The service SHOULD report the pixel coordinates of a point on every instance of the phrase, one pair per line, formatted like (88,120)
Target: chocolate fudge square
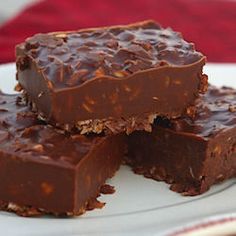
(191,155)
(43,170)
(113,79)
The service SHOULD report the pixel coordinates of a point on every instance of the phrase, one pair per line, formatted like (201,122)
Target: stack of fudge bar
(96,98)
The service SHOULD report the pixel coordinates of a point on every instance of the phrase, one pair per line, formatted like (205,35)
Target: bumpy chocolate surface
(191,155)
(114,78)
(70,59)
(216,112)
(43,170)
(21,129)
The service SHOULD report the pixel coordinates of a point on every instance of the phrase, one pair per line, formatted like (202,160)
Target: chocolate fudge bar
(43,170)
(191,155)
(110,79)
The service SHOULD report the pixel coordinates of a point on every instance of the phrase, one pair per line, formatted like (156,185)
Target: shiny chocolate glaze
(45,170)
(216,112)
(190,154)
(68,59)
(112,73)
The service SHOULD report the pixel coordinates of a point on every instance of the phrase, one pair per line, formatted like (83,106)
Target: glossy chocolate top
(22,134)
(216,111)
(71,58)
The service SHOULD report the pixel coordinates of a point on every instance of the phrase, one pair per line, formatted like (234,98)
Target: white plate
(139,206)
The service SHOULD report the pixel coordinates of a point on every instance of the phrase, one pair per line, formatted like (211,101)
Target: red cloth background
(211,24)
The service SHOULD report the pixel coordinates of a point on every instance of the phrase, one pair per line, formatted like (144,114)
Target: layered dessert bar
(111,79)
(43,170)
(191,155)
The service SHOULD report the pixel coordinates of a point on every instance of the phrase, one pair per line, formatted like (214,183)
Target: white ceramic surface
(139,206)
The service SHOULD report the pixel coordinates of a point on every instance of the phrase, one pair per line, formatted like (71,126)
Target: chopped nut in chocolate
(47,171)
(190,153)
(133,63)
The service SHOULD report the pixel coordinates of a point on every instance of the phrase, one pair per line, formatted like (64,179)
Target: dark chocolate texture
(43,170)
(190,154)
(94,79)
